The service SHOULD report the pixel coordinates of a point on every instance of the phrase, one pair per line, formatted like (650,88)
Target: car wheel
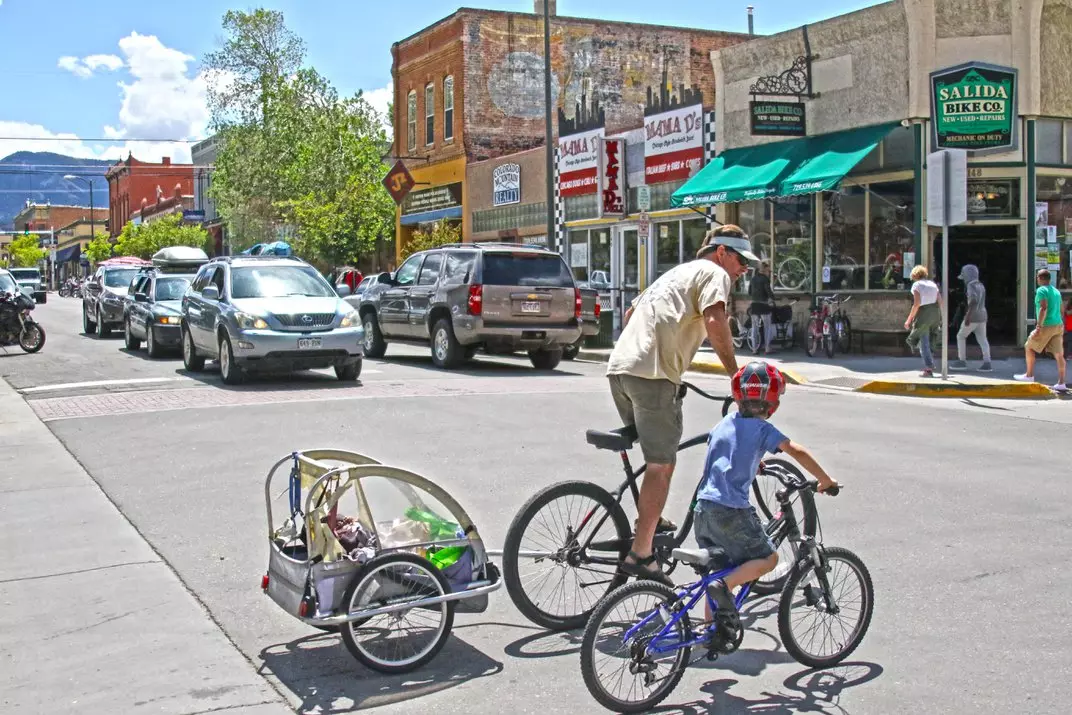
(128,337)
(447,352)
(44,299)
(88,326)
(190,359)
(545,359)
(571,351)
(375,346)
(103,330)
(348,372)
(150,343)
(229,369)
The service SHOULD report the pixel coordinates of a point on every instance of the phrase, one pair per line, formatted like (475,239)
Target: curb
(705,366)
(1007,391)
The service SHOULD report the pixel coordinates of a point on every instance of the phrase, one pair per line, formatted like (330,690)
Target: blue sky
(118,69)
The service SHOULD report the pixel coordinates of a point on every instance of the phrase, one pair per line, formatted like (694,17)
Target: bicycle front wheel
(824,613)
(553,578)
(635,675)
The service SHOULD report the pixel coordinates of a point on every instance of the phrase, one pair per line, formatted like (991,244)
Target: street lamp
(92,214)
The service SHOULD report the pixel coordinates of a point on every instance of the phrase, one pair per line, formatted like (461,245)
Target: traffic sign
(643,198)
(643,226)
(398,181)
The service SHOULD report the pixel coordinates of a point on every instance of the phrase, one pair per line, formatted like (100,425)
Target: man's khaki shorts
(1048,340)
(654,406)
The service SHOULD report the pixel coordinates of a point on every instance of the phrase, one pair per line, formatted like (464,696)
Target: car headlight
(168,319)
(250,322)
(350,319)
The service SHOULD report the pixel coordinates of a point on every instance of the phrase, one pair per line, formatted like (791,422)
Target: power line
(109,141)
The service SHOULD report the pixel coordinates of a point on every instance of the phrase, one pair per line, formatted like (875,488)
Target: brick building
(133,183)
(469,108)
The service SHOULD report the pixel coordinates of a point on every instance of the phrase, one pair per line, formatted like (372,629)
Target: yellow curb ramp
(707,366)
(1007,391)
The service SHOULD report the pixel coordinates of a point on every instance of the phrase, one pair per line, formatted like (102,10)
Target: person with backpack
(975,318)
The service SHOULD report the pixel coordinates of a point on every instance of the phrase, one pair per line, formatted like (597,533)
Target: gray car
(268,314)
(31,281)
(464,297)
(154,311)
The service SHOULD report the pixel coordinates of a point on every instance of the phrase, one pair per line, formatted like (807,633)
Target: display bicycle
(381,554)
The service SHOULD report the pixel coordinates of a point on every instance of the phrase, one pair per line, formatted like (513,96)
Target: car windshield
(526,269)
(7,283)
(26,274)
(171,288)
(119,278)
(278,282)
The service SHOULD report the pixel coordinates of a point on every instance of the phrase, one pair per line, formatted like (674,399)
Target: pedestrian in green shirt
(1049,327)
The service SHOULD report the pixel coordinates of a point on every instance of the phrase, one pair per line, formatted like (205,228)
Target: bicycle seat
(619,440)
(713,560)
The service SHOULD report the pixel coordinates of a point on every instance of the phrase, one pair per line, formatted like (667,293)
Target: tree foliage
(26,252)
(145,239)
(442,233)
(99,249)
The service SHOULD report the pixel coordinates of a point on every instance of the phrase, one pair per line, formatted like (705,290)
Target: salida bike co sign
(973,107)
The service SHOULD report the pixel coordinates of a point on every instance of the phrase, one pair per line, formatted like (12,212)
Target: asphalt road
(959,509)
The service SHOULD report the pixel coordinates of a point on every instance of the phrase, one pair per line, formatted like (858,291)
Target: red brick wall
(131,182)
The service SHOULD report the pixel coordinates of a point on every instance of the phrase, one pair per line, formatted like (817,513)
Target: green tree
(99,249)
(442,232)
(26,252)
(145,239)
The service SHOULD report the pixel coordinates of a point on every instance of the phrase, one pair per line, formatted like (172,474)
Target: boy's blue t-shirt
(734,449)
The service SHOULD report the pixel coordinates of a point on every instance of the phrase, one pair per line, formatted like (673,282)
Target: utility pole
(549,131)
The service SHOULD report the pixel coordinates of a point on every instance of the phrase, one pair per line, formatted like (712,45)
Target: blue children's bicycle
(639,638)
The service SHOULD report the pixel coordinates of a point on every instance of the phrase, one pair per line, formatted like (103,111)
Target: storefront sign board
(778,119)
(611,173)
(398,181)
(578,162)
(973,107)
(506,185)
(673,144)
(438,197)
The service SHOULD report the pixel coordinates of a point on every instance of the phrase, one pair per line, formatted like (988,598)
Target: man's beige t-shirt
(667,326)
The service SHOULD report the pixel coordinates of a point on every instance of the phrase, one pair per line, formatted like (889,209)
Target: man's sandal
(639,568)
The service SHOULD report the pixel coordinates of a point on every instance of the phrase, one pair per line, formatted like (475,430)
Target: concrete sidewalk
(93,621)
(888,375)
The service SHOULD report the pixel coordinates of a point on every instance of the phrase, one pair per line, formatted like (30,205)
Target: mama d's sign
(973,107)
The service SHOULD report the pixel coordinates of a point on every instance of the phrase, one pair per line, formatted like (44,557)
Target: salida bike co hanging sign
(973,107)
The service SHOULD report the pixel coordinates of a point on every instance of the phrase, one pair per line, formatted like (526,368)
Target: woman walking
(924,318)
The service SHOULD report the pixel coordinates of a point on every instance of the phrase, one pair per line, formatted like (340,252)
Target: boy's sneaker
(1024,378)
(720,592)
(986,367)
(958,365)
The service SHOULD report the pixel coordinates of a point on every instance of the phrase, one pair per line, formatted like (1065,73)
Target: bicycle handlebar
(726,400)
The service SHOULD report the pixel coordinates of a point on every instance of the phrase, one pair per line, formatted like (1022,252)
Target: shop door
(995,250)
(625,271)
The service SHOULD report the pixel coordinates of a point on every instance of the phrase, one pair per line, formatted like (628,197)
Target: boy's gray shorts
(737,532)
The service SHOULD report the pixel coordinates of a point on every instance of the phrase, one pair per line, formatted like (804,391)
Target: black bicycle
(564,547)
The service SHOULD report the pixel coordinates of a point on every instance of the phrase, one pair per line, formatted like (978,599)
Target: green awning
(787,168)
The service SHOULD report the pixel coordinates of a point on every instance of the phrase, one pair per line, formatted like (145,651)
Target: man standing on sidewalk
(761,308)
(664,329)
(1046,337)
(975,318)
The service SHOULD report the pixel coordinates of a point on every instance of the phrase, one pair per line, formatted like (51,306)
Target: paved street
(959,508)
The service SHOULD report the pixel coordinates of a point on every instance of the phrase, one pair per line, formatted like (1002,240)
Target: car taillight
(598,309)
(476,299)
(576,302)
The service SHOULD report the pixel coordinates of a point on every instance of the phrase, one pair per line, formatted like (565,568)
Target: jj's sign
(973,107)
(611,177)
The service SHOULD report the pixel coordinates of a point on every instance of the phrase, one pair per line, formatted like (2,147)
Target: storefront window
(599,276)
(667,246)
(844,239)
(1053,227)
(631,279)
(793,235)
(692,236)
(578,254)
(893,216)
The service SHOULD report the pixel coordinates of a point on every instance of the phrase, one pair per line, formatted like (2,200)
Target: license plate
(308,343)
(530,306)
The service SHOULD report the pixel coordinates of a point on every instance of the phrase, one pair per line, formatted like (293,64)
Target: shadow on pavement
(326,679)
(479,367)
(546,644)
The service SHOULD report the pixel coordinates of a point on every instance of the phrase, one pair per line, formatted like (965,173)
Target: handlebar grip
(726,406)
(833,491)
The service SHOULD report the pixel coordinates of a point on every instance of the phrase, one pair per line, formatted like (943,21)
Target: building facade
(71,243)
(133,184)
(203,154)
(823,138)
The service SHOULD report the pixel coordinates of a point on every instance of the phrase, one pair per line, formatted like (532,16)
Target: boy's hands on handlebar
(828,486)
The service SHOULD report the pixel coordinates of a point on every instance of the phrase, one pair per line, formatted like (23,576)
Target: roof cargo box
(182,259)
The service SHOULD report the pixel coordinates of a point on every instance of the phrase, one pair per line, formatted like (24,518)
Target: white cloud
(86,66)
(379,99)
(68,144)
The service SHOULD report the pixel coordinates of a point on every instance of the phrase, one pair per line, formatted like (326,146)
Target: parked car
(32,281)
(268,314)
(104,295)
(153,311)
(462,297)
(590,312)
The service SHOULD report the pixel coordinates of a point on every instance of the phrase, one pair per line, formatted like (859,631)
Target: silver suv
(462,297)
(268,314)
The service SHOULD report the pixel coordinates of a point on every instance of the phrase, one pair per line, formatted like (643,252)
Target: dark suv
(462,297)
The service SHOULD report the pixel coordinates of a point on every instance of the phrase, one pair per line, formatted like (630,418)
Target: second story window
(429,114)
(411,121)
(448,108)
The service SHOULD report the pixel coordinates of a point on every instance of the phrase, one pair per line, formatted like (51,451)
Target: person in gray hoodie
(974,319)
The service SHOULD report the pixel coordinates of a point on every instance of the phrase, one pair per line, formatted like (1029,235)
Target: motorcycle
(16,324)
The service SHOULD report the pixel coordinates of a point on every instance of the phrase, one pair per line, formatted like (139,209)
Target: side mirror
(210,293)
(342,290)
(385,279)
(141,298)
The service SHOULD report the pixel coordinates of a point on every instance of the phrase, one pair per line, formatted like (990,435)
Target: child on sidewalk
(724,518)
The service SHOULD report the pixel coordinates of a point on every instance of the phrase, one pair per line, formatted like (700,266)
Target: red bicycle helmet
(758,387)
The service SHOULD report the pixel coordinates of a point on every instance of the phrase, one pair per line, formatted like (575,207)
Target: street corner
(714,367)
(935,388)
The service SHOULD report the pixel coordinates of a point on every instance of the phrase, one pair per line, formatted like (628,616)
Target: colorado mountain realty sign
(506,185)
(673,144)
(973,107)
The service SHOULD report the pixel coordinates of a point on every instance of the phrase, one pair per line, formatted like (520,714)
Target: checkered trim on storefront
(709,154)
(560,213)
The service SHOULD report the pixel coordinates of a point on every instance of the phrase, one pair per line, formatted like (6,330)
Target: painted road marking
(101,383)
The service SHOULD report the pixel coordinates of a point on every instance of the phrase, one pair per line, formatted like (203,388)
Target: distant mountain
(38,176)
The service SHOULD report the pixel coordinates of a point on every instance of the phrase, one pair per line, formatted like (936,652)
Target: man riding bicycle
(664,329)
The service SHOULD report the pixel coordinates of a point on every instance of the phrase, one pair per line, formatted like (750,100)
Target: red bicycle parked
(828,326)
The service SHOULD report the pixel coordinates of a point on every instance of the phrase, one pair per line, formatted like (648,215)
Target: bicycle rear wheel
(813,337)
(552,579)
(843,327)
(624,676)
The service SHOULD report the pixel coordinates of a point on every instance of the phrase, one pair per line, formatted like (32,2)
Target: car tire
(447,352)
(190,359)
(132,343)
(44,299)
(103,330)
(348,372)
(230,372)
(375,347)
(569,352)
(88,326)
(545,359)
(151,346)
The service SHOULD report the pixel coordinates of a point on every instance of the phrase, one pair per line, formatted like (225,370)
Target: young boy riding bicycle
(724,518)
